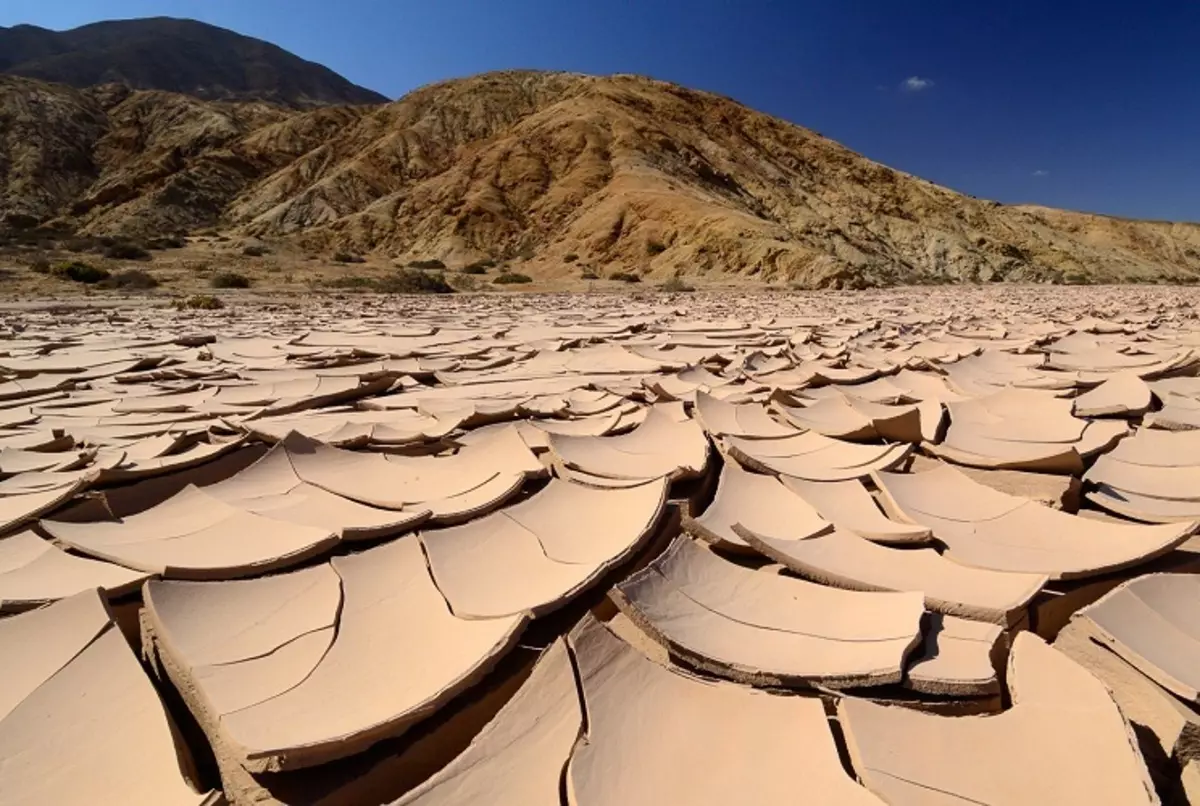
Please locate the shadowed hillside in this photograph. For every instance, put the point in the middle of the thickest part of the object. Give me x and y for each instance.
(175, 55)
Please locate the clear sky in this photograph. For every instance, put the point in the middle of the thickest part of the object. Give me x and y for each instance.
(1086, 105)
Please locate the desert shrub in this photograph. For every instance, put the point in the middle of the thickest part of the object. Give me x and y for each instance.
(20, 221)
(255, 250)
(625, 277)
(512, 278)
(588, 274)
(131, 280)
(479, 266)
(570, 257)
(229, 279)
(352, 282)
(166, 242)
(655, 248)
(464, 282)
(126, 250)
(676, 285)
(199, 302)
(408, 281)
(78, 272)
(79, 244)
(346, 257)
(426, 264)
(40, 265)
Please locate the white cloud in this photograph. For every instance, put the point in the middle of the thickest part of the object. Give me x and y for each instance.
(1041, 172)
(915, 84)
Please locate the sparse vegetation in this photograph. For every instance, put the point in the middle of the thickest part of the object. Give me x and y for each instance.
(407, 281)
(352, 282)
(625, 277)
(402, 281)
(654, 247)
(20, 221)
(346, 257)
(479, 266)
(464, 282)
(426, 264)
(588, 274)
(79, 272)
(40, 265)
(167, 242)
(79, 244)
(199, 302)
(126, 250)
(256, 250)
(570, 257)
(229, 279)
(676, 285)
(130, 280)
(512, 278)
(33, 237)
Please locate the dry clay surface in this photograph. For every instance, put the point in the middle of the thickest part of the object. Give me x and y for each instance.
(603, 550)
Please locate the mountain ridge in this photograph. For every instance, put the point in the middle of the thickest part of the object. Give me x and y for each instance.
(175, 55)
(562, 172)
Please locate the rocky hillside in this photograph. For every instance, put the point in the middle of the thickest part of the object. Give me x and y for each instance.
(564, 173)
(178, 56)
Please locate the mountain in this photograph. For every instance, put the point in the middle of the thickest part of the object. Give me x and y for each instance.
(560, 171)
(175, 55)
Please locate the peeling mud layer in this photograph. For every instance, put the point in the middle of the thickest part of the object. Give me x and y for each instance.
(600, 549)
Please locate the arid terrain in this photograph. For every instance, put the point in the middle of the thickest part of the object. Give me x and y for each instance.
(792, 478)
(559, 177)
(184, 56)
(516, 549)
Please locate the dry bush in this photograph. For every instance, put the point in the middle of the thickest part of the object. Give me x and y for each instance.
(130, 280)
(230, 279)
(127, 250)
(512, 278)
(676, 284)
(79, 272)
(199, 302)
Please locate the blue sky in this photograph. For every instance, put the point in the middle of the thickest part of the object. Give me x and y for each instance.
(1085, 105)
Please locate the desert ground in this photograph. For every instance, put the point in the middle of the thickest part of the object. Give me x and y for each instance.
(309, 545)
(48, 267)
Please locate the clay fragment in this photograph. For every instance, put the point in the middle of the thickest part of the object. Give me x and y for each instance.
(1064, 734)
(768, 629)
(755, 744)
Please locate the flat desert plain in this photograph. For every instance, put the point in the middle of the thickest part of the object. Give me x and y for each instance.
(911, 546)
